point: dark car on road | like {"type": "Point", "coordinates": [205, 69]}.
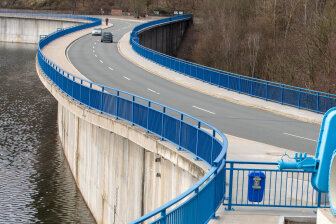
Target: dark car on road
{"type": "Point", "coordinates": [107, 37]}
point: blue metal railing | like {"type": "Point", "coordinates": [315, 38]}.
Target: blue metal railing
{"type": "Point", "coordinates": [301, 98]}
{"type": "Point", "coordinates": [290, 188]}
{"type": "Point", "coordinates": [200, 202]}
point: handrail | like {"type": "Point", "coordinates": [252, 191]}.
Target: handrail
{"type": "Point", "coordinates": [206, 146]}
{"type": "Point", "coordinates": [301, 98]}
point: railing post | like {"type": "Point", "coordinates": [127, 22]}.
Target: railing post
{"type": "Point", "coordinates": [133, 99]}
{"type": "Point", "coordinates": [101, 100]}
{"type": "Point", "coordinates": [251, 88]}
{"type": "Point", "coordinates": [163, 113]}
{"type": "Point", "coordinates": [266, 97]}
{"type": "Point", "coordinates": [90, 95]}
{"type": "Point", "coordinates": [229, 208]}
{"type": "Point", "coordinates": [117, 105]}
{"type": "Point", "coordinates": [180, 132]}
{"type": "Point", "coordinates": [282, 93]}
{"type": "Point", "coordinates": [80, 90]}
{"type": "Point", "coordinates": [212, 145]}
{"type": "Point", "coordinates": [215, 181]}
{"type": "Point", "coordinates": [299, 100]}
{"type": "Point", "coordinates": [319, 199]}
{"type": "Point", "coordinates": [196, 212]}
{"type": "Point", "coordinates": [197, 133]}
{"type": "Point", "coordinates": [318, 101]}
{"type": "Point", "coordinates": [163, 216]}
{"type": "Point", "coordinates": [149, 105]}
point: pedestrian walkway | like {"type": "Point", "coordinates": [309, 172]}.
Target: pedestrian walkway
{"type": "Point", "coordinates": [126, 50]}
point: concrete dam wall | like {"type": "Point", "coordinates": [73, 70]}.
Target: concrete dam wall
{"type": "Point", "coordinates": [28, 30]}
{"type": "Point", "coordinates": [164, 38]}
{"type": "Point", "coordinates": [122, 171]}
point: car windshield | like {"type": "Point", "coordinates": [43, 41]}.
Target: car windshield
{"type": "Point", "coordinates": [107, 34]}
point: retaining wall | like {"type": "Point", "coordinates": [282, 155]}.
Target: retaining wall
{"type": "Point", "coordinates": [122, 171]}
{"type": "Point", "coordinates": [28, 30]}
{"type": "Point", "coordinates": [164, 38]}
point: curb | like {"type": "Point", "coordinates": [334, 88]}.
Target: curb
{"type": "Point", "coordinates": [230, 99]}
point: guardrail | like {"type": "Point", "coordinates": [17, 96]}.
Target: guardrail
{"type": "Point", "coordinates": [301, 98]}
{"type": "Point", "coordinates": [290, 188]}
{"type": "Point", "coordinates": [200, 202]}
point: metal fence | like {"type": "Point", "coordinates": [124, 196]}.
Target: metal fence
{"type": "Point", "coordinates": [291, 188]}
{"type": "Point", "coordinates": [200, 202]}
{"type": "Point", "coordinates": [301, 98]}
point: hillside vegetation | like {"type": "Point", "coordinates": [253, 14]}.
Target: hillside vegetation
{"type": "Point", "coordinates": [287, 41]}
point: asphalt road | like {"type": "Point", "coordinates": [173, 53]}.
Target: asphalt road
{"type": "Point", "coordinates": [102, 63]}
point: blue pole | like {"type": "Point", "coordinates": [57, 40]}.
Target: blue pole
{"type": "Point", "coordinates": [282, 93]}
{"type": "Point", "coordinates": [117, 105]}
{"type": "Point", "coordinates": [149, 105]}
{"type": "Point", "coordinates": [101, 100]}
{"type": "Point", "coordinates": [180, 132]}
{"type": "Point", "coordinates": [230, 189]}
{"type": "Point", "coordinates": [164, 112]}
{"type": "Point", "coordinates": [133, 99]}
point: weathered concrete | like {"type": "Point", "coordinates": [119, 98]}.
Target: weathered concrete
{"type": "Point", "coordinates": [164, 38]}
{"type": "Point", "coordinates": [28, 30]}
{"type": "Point", "coordinates": [324, 216]}
{"type": "Point", "coordinates": [121, 171]}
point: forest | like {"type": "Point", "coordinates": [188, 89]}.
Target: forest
{"type": "Point", "coordinates": [286, 41]}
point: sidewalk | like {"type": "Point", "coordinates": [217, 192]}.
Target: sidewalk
{"type": "Point", "coordinates": [126, 50]}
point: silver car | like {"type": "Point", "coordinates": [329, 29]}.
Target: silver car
{"type": "Point", "coordinates": [97, 31]}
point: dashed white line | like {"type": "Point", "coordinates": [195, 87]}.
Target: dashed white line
{"type": "Point", "coordinates": [96, 56]}
{"type": "Point", "coordinates": [95, 42]}
{"type": "Point", "coordinates": [153, 91]}
{"type": "Point", "coordinates": [111, 68]}
{"type": "Point", "coordinates": [210, 112]}
{"type": "Point", "coordinates": [93, 47]}
{"type": "Point", "coordinates": [309, 139]}
{"type": "Point", "coordinates": [93, 51]}
{"type": "Point", "coordinates": [101, 61]}
{"type": "Point", "coordinates": [127, 78]}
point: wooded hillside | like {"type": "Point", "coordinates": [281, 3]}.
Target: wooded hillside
{"type": "Point", "coordinates": [287, 41]}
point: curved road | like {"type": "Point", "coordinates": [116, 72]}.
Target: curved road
{"type": "Point", "coordinates": [102, 63]}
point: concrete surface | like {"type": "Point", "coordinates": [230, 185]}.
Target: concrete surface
{"type": "Point", "coordinates": [324, 216]}
{"type": "Point", "coordinates": [101, 63]}
{"type": "Point", "coordinates": [28, 30]}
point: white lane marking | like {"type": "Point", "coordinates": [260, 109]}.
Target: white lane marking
{"type": "Point", "coordinates": [300, 137]}
{"type": "Point", "coordinates": [111, 68]}
{"type": "Point", "coordinates": [93, 51]}
{"type": "Point", "coordinates": [96, 56]}
{"type": "Point", "coordinates": [101, 61]}
{"type": "Point", "coordinates": [153, 91]}
{"type": "Point", "coordinates": [210, 112]}
{"type": "Point", "coordinates": [95, 42]}
{"type": "Point", "coordinates": [127, 78]}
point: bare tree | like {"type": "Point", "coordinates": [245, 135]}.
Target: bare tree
{"type": "Point", "coordinates": [253, 45]}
